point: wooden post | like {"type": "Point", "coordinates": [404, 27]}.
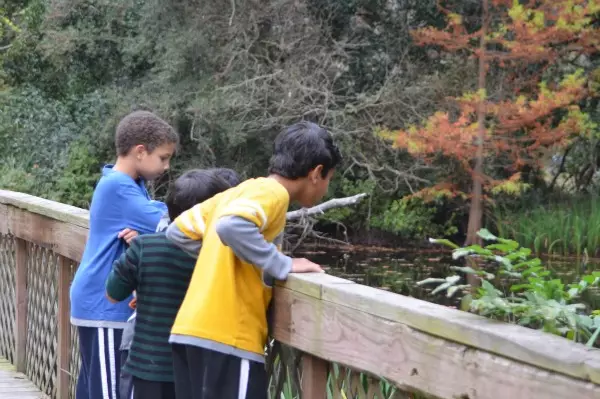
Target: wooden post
{"type": "Point", "coordinates": [314, 377]}
{"type": "Point", "coordinates": [64, 328]}
{"type": "Point", "coordinates": [21, 305]}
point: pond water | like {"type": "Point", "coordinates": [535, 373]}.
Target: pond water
{"type": "Point", "coordinates": [399, 270]}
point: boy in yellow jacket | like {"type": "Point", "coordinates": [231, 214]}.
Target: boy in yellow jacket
{"type": "Point", "coordinates": [220, 332]}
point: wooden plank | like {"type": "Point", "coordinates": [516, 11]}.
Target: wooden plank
{"type": "Point", "coordinates": [412, 360]}
{"type": "Point", "coordinates": [22, 392]}
{"type": "Point", "coordinates": [8, 382]}
{"type": "Point", "coordinates": [52, 209]}
{"type": "Point", "coordinates": [509, 340]}
{"type": "Point", "coordinates": [23, 396]}
{"type": "Point", "coordinates": [14, 385]}
{"type": "Point", "coordinates": [64, 328]}
{"type": "Point", "coordinates": [21, 305]}
{"type": "Point", "coordinates": [314, 377]}
{"type": "Point", "coordinates": [311, 283]}
{"type": "Point", "coordinates": [61, 237]}
{"type": "Point", "coordinates": [3, 219]}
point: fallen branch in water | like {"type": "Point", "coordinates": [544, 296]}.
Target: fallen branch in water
{"type": "Point", "coordinates": [325, 206]}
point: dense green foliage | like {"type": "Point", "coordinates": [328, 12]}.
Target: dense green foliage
{"type": "Point", "coordinates": [228, 76]}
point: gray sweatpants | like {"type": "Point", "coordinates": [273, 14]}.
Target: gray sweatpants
{"type": "Point", "coordinates": [126, 379]}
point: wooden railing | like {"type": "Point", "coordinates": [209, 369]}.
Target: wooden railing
{"type": "Point", "coordinates": [334, 338]}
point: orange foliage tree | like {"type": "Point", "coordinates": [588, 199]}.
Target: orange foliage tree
{"type": "Point", "coordinates": [539, 115]}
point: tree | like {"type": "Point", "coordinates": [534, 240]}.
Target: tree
{"type": "Point", "coordinates": [228, 78]}
{"type": "Point", "coordinates": [530, 46]}
{"type": "Point", "coordinates": [8, 29]}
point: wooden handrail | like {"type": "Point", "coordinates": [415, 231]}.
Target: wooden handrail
{"type": "Point", "coordinates": [416, 345]}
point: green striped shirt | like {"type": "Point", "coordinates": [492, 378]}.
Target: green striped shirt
{"type": "Point", "coordinates": [160, 273]}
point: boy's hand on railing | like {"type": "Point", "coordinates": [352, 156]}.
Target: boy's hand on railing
{"type": "Point", "coordinates": [133, 303]}
{"type": "Point", "coordinates": [128, 235]}
{"type": "Point", "coordinates": [303, 265]}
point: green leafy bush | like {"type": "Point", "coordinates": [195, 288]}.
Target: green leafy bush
{"type": "Point", "coordinates": [533, 298]}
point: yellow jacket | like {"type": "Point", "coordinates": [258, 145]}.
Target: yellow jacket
{"type": "Point", "coordinates": [227, 299]}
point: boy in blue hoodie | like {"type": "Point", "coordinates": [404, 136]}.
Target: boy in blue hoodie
{"type": "Point", "coordinates": [145, 144]}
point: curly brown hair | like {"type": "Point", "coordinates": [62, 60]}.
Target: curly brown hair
{"type": "Point", "coordinates": [143, 128]}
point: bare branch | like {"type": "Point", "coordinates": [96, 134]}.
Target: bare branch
{"type": "Point", "coordinates": [232, 12]}
{"type": "Point", "coordinates": [321, 208]}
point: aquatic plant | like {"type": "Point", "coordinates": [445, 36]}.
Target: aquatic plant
{"type": "Point", "coordinates": [571, 228]}
{"type": "Point", "coordinates": [533, 298]}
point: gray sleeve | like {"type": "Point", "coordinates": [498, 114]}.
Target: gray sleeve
{"type": "Point", "coordinates": [246, 241]}
{"type": "Point", "coordinates": [176, 236]}
{"type": "Point", "coordinates": [163, 223]}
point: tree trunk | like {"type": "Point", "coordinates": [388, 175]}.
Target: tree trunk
{"type": "Point", "coordinates": [476, 209]}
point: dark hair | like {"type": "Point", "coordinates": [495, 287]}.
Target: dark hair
{"type": "Point", "coordinates": [301, 147]}
{"type": "Point", "coordinates": [193, 187]}
{"type": "Point", "coordinates": [145, 128]}
{"type": "Point", "coordinates": [229, 175]}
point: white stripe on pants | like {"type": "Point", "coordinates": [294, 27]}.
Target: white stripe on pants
{"type": "Point", "coordinates": [106, 393]}
{"type": "Point", "coordinates": [244, 372]}
{"type": "Point", "coordinates": [111, 362]}
{"type": "Point", "coordinates": [102, 358]}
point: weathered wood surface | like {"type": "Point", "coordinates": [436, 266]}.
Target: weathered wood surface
{"type": "Point", "coordinates": [15, 385]}
{"type": "Point", "coordinates": [64, 328]}
{"type": "Point", "coordinates": [62, 237]}
{"type": "Point", "coordinates": [314, 377]}
{"type": "Point", "coordinates": [21, 305]}
{"type": "Point", "coordinates": [52, 209]}
{"type": "Point", "coordinates": [415, 344]}
{"type": "Point", "coordinates": [413, 360]}
{"type": "Point", "coordinates": [512, 341]}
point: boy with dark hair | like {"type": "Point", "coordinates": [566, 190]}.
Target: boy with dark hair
{"type": "Point", "coordinates": [160, 272]}
{"type": "Point", "coordinates": [228, 175]}
{"type": "Point", "coordinates": [232, 178]}
{"type": "Point", "coordinates": [121, 208]}
{"type": "Point", "coordinates": [220, 332]}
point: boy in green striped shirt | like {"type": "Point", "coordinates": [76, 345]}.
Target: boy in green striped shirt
{"type": "Point", "coordinates": [160, 273]}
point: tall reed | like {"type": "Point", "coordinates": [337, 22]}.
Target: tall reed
{"type": "Point", "coordinates": [564, 228]}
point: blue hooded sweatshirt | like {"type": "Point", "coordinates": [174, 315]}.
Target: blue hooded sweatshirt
{"type": "Point", "coordinates": [118, 202]}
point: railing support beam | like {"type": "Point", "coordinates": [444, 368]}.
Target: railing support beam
{"type": "Point", "coordinates": [314, 377]}
{"type": "Point", "coordinates": [64, 328]}
{"type": "Point", "coordinates": [21, 305]}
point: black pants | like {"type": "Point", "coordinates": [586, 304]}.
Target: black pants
{"type": "Point", "coordinates": [205, 374]}
{"type": "Point", "coordinates": [144, 389]}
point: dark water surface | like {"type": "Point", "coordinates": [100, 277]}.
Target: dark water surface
{"type": "Point", "coordinates": [399, 270]}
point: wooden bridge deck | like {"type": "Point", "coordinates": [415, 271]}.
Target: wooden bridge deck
{"type": "Point", "coordinates": [15, 385]}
